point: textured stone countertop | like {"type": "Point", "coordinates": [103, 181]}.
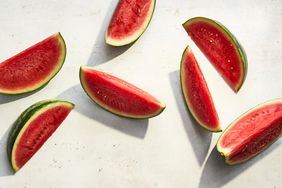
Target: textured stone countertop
{"type": "Point", "coordinates": [95, 149]}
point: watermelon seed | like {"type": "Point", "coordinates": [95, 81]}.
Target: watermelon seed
{"type": "Point", "coordinates": [203, 30]}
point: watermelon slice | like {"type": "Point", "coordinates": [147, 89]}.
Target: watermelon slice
{"type": "Point", "coordinates": [251, 133]}
{"type": "Point", "coordinates": [35, 125]}
{"type": "Point", "coordinates": [196, 93]}
{"type": "Point", "coordinates": [129, 21]}
{"type": "Point", "coordinates": [221, 48]}
{"type": "Point", "coordinates": [118, 96]}
{"type": "Point", "coordinates": [33, 67]}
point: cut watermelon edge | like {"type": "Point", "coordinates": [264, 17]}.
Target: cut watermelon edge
{"type": "Point", "coordinates": [225, 152]}
{"type": "Point", "coordinates": [119, 113]}
{"type": "Point", "coordinates": [225, 155]}
{"type": "Point", "coordinates": [134, 37]}
{"type": "Point", "coordinates": [23, 121]}
{"type": "Point", "coordinates": [44, 82]}
{"type": "Point", "coordinates": [189, 106]}
{"type": "Point", "coordinates": [241, 52]}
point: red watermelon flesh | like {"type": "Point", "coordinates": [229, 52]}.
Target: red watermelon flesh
{"type": "Point", "coordinates": [196, 93]}
{"type": "Point", "coordinates": [252, 132]}
{"type": "Point", "coordinates": [33, 67]}
{"type": "Point", "coordinates": [119, 96]}
{"type": "Point", "coordinates": [41, 125]}
{"type": "Point", "coordinates": [129, 21]}
{"type": "Point", "coordinates": [221, 48]}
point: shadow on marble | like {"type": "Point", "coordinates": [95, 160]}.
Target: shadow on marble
{"type": "Point", "coordinates": [84, 105]}
{"type": "Point", "coordinates": [199, 138]}
{"type": "Point", "coordinates": [5, 167]}
{"type": "Point", "coordinates": [5, 98]}
{"type": "Point", "coordinates": [102, 52]}
{"type": "Point", "coordinates": [216, 173]}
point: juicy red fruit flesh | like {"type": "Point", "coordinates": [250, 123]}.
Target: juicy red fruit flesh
{"type": "Point", "coordinates": [37, 132]}
{"type": "Point", "coordinates": [128, 17]}
{"type": "Point", "coordinates": [18, 73]}
{"type": "Point", "coordinates": [197, 92]}
{"type": "Point", "coordinates": [218, 48]}
{"type": "Point", "coordinates": [259, 142]}
{"type": "Point", "coordinates": [118, 95]}
{"type": "Point", "coordinates": [257, 120]}
{"type": "Point", "coordinates": [252, 132]}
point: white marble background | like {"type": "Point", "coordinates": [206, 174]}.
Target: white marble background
{"type": "Point", "coordinates": [95, 149]}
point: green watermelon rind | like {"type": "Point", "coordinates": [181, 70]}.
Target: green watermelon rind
{"type": "Point", "coordinates": [241, 52]}
{"type": "Point", "coordinates": [188, 104]}
{"type": "Point", "coordinates": [134, 38]}
{"type": "Point", "coordinates": [23, 119]}
{"type": "Point", "coordinates": [250, 158]}
{"type": "Point", "coordinates": [43, 83]}
{"type": "Point", "coordinates": [225, 153]}
{"type": "Point", "coordinates": [124, 115]}
{"type": "Point", "coordinates": [18, 126]}
{"type": "Point", "coordinates": [242, 55]}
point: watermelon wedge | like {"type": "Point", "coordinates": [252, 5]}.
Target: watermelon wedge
{"type": "Point", "coordinates": [129, 21]}
{"type": "Point", "coordinates": [196, 93]}
{"type": "Point", "coordinates": [251, 133]}
{"type": "Point", "coordinates": [221, 48]}
{"type": "Point", "coordinates": [118, 96]}
{"type": "Point", "coordinates": [33, 67]}
{"type": "Point", "coordinates": [35, 125]}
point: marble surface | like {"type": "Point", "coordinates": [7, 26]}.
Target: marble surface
{"type": "Point", "coordinates": [95, 149]}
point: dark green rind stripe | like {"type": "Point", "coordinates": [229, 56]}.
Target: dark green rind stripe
{"type": "Point", "coordinates": [19, 124]}
{"type": "Point", "coordinates": [21, 121]}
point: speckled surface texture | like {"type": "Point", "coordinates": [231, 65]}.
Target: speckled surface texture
{"type": "Point", "coordinates": [96, 149]}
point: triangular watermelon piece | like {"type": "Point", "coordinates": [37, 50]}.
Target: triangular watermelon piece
{"type": "Point", "coordinates": [33, 67]}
